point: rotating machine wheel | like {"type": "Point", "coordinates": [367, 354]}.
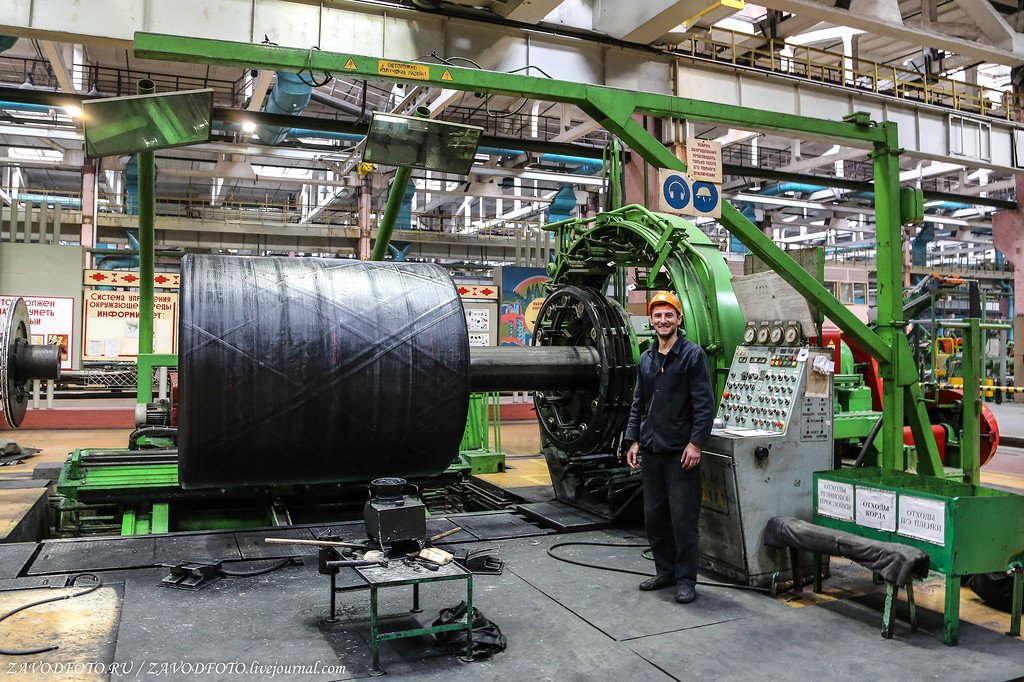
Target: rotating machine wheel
{"type": "Point", "coordinates": [21, 363]}
{"type": "Point", "coordinates": [583, 420]}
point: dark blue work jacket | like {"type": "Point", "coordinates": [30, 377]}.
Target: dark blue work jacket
{"type": "Point", "coordinates": [674, 402]}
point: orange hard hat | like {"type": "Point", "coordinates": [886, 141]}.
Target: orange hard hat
{"type": "Point", "coordinates": [665, 297]}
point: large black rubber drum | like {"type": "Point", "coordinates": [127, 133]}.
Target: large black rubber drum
{"type": "Point", "coordinates": [307, 370]}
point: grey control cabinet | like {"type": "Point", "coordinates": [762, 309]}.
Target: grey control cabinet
{"type": "Point", "coordinates": [760, 462]}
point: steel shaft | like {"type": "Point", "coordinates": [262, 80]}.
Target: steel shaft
{"type": "Point", "coordinates": [533, 368]}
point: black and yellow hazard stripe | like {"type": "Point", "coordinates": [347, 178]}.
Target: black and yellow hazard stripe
{"type": "Point", "coordinates": [1001, 389]}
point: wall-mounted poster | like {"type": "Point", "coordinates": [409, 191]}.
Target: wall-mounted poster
{"type": "Point", "coordinates": [478, 324]}
{"type": "Point", "coordinates": [111, 328]}
{"type": "Point", "coordinates": [522, 294]}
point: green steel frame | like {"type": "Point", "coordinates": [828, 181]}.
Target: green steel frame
{"type": "Point", "coordinates": [614, 109]}
{"type": "Point", "coordinates": [635, 236]}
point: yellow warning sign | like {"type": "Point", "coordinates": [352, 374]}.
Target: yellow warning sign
{"type": "Point", "coordinates": [351, 64]}
{"type": "Point", "coordinates": [420, 72]}
{"type": "Point", "coordinates": [447, 75]}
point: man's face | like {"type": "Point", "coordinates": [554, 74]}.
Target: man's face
{"type": "Point", "coordinates": [664, 320]}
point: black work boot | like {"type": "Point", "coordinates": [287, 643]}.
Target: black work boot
{"type": "Point", "coordinates": [657, 582]}
{"type": "Point", "coordinates": [686, 594]}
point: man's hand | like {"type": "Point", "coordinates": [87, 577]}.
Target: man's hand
{"type": "Point", "coordinates": [632, 456]}
{"type": "Point", "coordinates": [691, 456]}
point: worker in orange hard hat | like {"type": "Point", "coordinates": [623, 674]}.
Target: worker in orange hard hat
{"type": "Point", "coordinates": [669, 424]}
{"type": "Point", "coordinates": [665, 297]}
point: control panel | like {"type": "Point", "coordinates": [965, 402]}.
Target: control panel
{"type": "Point", "coordinates": [763, 387]}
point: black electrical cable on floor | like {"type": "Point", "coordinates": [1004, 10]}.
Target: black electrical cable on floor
{"type": "Point", "coordinates": [259, 571]}
{"type": "Point", "coordinates": [555, 546]}
{"type": "Point", "coordinates": [52, 647]}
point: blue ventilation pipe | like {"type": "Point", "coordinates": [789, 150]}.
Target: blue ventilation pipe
{"type": "Point", "coordinates": [586, 166]}
{"type": "Point", "coordinates": [563, 204]}
{"type": "Point", "coordinates": [67, 202]}
{"type": "Point", "coordinates": [33, 108]}
{"type": "Point", "coordinates": [324, 135]}
{"type": "Point", "coordinates": [131, 207]}
{"type": "Point", "coordinates": [919, 245]}
{"type": "Point", "coordinates": [404, 221]}
{"type": "Point", "coordinates": [398, 253]}
{"type": "Point", "coordinates": [289, 96]}
{"type": "Point", "coordinates": [131, 186]}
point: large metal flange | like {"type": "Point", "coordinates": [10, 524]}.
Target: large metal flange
{"type": "Point", "coordinates": [583, 422]}
{"type": "Point", "coordinates": [14, 334]}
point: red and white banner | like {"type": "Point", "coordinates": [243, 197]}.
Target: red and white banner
{"type": "Point", "coordinates": [477, 290]}
{"type": "Point", "coordinates": [128, 278]}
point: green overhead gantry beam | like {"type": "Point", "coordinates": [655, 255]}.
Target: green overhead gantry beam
{"type": "Point", "coordinates": [614, 109]}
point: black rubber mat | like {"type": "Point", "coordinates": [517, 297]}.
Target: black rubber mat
{"type": "Point", "coordinates": [562, 517]}
{"type": "Point", "coordinates": [34, 581]}
{"type": "Point", "coordinates": [352, 530]}
{"type": "Point", "coordinates": [19, 483]}
{"type": "Point", "coordinates": [440, 524]}
{"type": "Point", "coordinates": [253, 545]}
{"type": "Point", "coordinates": [497, 526]}
{"type": "Point", "coordinates": [14, 556]}
{"type": "Point", "coordinates": [75, 556]}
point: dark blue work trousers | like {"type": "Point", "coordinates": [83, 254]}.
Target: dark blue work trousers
{"type": "Point", "coordinates": [671, 514]}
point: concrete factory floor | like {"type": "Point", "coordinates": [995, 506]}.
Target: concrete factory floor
{"type": "Point", "coordinates": [562, 621]}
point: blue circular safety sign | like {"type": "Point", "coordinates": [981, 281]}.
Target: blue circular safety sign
{"type": "Point", "coordinates": [705, 196]}
{"type": "Point", "coordinates": [676, 191]}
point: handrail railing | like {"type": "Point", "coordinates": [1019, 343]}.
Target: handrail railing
{"type": "Point", "coordinates": [834, 68]}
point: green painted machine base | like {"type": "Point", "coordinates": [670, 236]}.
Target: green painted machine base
{"type": "Point", "coordinates": [975, 529]}
{"type": "Point", "coordinates": [116, 490]}
{"type": "Point", "coordinates": [483, 461]}
{"type": "Point", "coordinates": [850, 425]}
{"type": "Point", "coordinates": [140, 520]}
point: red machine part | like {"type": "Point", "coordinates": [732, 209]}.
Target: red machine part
{"type": "Point", "coordinates": [989, 431]}
{"type": "Point", "coordinates": [938, 430]}
{"type": "Point", "coordinates": [172, 377]}
{"type": "Point", "coordinates": [833, 336]}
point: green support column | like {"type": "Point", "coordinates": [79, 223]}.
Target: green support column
{"type": "Point", "coordinates": [394, 205]}
{"type": "Point", "coordinates": [970, 443]}
{"type": "Point", "coordinates": [928, 461]}
{"type": "Point", "coordinates": [387, 223]}
{"type": "Point", "coordinates": [951, 614]}
{"type": "Point", "coordinates": [889, 268]}
{"type": "Point", "coordinates": [1018, 599]}
{"type": "Point", "coordinates": [147, 209]}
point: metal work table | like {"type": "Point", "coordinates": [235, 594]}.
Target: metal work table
{"type": "Point", "coordinates": [398, 573]}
